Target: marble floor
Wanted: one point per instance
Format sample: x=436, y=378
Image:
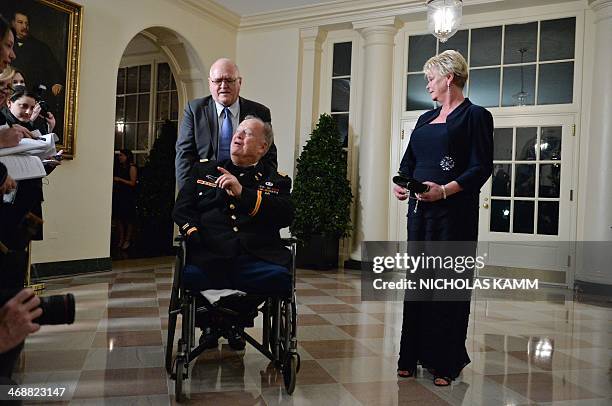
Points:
x=544, y=348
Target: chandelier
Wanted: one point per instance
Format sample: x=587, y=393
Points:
x=444, y=17
x=521, y=97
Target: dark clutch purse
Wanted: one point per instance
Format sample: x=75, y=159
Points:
x=408, y=183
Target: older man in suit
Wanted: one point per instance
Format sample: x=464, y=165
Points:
x=209, y=122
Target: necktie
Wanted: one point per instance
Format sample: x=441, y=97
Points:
x=226, y=137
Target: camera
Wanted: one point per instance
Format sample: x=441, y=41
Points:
x=408, y=183
x=57, y=309
x=41, y=91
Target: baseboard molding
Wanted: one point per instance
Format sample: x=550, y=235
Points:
x=590, y=288
x=352, y=264
x=45, y=270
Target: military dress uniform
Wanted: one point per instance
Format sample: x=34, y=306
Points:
x=235, y=242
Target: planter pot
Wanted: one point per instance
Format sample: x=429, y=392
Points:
x=320, y=252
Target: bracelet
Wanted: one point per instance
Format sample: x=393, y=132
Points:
x=444, y=191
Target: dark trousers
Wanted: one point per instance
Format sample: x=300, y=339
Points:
x=246, y=273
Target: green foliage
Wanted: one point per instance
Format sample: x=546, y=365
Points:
x=321, y=192
x=157, y=182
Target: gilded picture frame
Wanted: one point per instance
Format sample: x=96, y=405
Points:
x=48, y=46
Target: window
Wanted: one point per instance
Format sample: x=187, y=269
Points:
x=133, y=115
x=525, y=190
x=341, y=88
x=510, y=65
x=167, y=97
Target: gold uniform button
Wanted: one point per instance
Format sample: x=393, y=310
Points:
x=236, y=229
x=233, y=217
x=232, y=207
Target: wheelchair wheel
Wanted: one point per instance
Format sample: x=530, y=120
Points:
x=172, y=317
x=170, y=343
x=180, y=375
x=290, y=372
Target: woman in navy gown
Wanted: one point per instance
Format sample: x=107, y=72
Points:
x=451, y=151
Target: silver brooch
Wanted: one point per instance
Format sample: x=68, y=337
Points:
x=447, y=163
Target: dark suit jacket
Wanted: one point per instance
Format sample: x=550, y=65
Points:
x=198, y=134
x=228, y=227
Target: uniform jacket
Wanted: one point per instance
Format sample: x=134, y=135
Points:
x=198, y=134
x=229, y=226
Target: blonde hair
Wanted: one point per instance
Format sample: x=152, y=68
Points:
x=446, y=63
x=7, y=73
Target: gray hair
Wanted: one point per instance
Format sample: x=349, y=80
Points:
x=267, y=129
x=225, y=61
x=447, y=62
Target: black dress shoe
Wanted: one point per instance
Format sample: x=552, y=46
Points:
x=235, y=339
x=209, y=338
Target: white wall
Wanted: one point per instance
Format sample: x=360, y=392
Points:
x=268, y=62
x=77, y=206
x=78, y=197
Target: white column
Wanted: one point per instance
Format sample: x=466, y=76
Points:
x=598, y=205
x=308, y=97
x=374, y=141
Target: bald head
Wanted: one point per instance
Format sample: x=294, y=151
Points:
x=224, y=81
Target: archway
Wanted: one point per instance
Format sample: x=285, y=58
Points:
x=159, y=71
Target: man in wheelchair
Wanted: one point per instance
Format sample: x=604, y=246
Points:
x=230, y=213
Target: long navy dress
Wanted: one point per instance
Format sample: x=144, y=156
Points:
x=434, y=332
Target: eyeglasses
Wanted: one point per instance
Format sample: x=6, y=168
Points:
x=228, y=82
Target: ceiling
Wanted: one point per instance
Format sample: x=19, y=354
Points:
x=249, y=7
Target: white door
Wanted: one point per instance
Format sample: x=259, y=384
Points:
x=527, y=206
x=402, y=208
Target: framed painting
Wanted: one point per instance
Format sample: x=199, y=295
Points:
x=47, y=47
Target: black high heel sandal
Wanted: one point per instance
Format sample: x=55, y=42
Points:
x=442, y=380
x=406, y=373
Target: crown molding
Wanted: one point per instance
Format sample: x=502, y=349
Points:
x=602, y=9
x=212, y=10
x=324, y=14
x=377, y=22
x=338, y=12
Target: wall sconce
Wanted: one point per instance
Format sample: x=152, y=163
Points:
x=444, y=17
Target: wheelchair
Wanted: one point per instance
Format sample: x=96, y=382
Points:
x=279, y=342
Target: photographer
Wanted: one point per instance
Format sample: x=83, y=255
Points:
x=30, y=191
x=41, y=118
x=22, y=106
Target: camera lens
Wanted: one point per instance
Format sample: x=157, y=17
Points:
x=58, y=309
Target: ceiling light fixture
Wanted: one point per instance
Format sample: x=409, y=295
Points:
x=444, y=17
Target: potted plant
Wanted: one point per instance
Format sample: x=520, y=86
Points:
x=322, y=197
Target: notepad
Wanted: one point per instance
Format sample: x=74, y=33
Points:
x=21, y=167
x=43, y=146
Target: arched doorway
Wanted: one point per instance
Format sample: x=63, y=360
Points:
x=155, y=77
